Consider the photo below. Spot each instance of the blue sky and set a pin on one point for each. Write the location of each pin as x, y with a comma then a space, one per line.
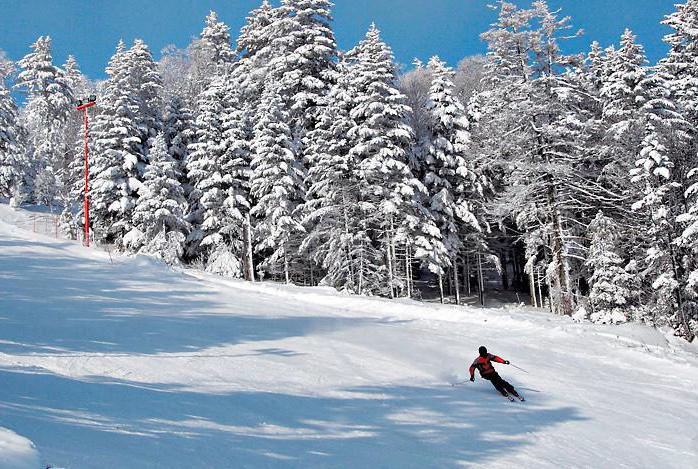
414, 28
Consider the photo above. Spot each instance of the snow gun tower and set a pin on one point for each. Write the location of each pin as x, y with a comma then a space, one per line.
83, 105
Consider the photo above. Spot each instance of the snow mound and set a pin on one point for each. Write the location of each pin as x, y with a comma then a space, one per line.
16, 452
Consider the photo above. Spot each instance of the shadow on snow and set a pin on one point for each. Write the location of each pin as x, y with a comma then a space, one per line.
159, 426
105, 308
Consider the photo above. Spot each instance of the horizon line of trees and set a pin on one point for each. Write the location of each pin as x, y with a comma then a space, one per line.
280, 156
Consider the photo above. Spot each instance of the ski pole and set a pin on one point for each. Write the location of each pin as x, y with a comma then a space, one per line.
518, 367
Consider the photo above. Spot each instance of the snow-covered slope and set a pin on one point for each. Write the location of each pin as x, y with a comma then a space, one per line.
130, 364
17, 452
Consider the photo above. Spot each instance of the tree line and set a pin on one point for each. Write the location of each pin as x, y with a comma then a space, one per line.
280, 156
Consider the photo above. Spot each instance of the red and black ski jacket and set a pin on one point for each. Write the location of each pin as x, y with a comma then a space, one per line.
484, 365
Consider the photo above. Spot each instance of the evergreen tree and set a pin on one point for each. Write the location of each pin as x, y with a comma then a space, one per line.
276, 184
255, 35
179, 129
147, 84
236, 159
13, 162
338, 238
680, 73
210, 55
49, 102
303, 56
70, 164
540, 108
680, 63
119, 159
391, 197
610, 292
203, 172
159, 227
451, 182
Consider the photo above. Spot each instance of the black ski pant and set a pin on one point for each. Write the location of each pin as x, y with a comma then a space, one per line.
501, 385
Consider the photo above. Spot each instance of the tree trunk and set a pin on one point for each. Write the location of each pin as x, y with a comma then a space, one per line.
286, 273
540, 288
532, 286
441, 288
505, 273
562, 282
389, 242
352, 274
678, 275
408, 271
481, 288
449, 283
466, 274
248, 263
361, 269
455, 280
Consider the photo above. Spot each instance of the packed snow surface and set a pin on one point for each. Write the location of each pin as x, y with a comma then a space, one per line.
109, 361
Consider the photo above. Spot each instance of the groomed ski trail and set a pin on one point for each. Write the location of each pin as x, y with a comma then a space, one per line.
132, 364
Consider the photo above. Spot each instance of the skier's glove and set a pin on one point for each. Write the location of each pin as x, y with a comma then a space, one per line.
506, 362
472, 378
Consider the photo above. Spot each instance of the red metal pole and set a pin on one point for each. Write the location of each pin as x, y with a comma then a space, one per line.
87, 172
86, 208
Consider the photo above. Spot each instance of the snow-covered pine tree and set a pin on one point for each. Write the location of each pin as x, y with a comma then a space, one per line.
276, 183
159, 227
180, 131
235, 163
255, 36
680, 71
217, 169
214, 41
293, 47
209, 55
454, 188
533, 123
254, 45
119, 159
303, 56
147, 84
661, 175
625, 70
13, 158
76, 80
338, 238
70, 169
390, 196
654, 174
174, 67
415, 86
610, 283
49, 103
680, 63
617, 76
203, 173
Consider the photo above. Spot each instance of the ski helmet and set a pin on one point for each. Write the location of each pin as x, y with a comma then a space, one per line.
483, 351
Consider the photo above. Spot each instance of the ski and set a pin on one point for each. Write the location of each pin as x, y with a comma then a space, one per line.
511, 398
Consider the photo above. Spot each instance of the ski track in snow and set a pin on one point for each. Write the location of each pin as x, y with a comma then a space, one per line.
132, 364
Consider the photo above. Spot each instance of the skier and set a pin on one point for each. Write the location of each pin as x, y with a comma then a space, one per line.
484, 364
